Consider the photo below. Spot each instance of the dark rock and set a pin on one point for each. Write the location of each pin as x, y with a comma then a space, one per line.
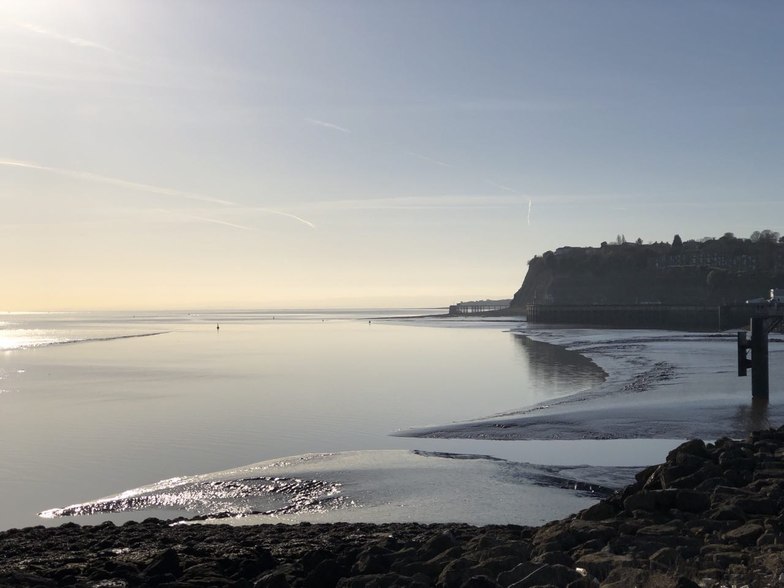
664, 559
709, 484
602, 563
455, 573
645, 500
26, 579
770, 539
326, 574
659, 530
390, 580
766, 506
439, 544
493, 567
420, 581
372, 560
554, 557
727, 513
518, 549
276, 579
745, 535
723, 559
599, 512
588, 530
721, 492
479, 582
557, 534
313, 558
644, 475
207, 581
200, 569
694, 479
692, 501
624, 578
738, 477
443, 558
167, 562
705, 526
546, 575
411, 568
695, 447
517, 573
588, 547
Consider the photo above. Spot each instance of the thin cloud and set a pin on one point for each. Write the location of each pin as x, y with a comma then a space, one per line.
327, 125
471, 201
77, 41
56, 78
422, 203
429, 159
503, 105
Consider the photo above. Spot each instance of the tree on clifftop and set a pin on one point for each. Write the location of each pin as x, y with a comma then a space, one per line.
677, 242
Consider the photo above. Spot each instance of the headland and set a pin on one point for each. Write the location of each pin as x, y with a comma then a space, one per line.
688, 285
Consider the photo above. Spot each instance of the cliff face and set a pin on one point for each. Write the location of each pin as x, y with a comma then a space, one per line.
720, 271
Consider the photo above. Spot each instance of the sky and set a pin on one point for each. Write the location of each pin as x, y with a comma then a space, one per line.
277, 154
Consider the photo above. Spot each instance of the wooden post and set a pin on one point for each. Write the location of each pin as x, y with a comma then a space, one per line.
760, 385
744, 363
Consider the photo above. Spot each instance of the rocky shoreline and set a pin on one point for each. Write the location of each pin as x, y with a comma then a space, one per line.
712, 515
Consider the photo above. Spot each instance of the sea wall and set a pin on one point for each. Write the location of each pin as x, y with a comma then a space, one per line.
642, 316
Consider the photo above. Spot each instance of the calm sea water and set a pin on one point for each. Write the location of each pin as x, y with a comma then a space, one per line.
93, 404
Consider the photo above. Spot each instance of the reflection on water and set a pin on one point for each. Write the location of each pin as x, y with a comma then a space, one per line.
753, 417
554, 368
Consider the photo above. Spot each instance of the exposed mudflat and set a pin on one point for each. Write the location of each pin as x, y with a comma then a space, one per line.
659, 385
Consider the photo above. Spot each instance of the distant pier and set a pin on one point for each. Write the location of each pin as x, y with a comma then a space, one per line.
466, 308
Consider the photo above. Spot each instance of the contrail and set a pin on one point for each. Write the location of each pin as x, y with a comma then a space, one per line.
530, 203
327, 125
287, 214
90, 177
218, 222
78, 41
430, 159
500, 186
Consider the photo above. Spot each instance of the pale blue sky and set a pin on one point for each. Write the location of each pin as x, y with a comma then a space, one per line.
197, 153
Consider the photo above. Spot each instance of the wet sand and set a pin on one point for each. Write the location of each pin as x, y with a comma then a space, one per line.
660, 385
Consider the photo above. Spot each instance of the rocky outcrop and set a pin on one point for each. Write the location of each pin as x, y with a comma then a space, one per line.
710, 515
